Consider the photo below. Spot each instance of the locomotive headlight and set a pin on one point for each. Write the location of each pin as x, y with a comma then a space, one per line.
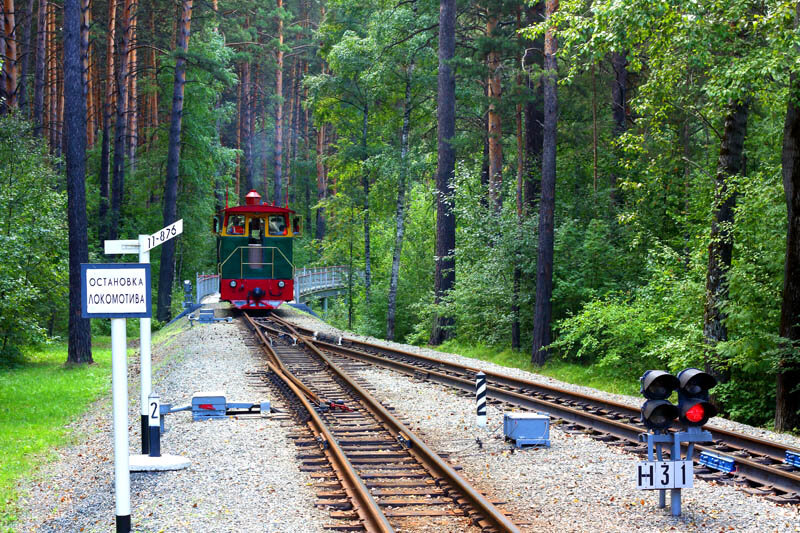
233, 283
281, 284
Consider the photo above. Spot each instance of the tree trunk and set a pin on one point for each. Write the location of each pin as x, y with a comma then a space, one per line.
86, 16
400, 216
278, 183
544, 265
118, 177
534, 113
787, 406
247, 129
10, 59
60, 104
515, 324
25, 55
51, 76
80, 343
720, 249
166, 272
445, 170
39, 70
133, 96
291, 171
365, 184
238, 135
495, 133
105, 148
322, 186
619, 102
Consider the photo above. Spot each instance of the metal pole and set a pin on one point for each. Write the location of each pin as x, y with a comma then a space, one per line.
675, 494
662, 502
119, 387
145, 363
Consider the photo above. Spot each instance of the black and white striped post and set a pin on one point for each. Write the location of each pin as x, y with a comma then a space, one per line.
154, 423
480, 397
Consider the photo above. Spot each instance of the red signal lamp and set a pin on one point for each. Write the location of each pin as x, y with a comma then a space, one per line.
695, 413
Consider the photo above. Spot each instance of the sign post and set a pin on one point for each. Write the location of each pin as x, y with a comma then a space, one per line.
118, 291
142, 246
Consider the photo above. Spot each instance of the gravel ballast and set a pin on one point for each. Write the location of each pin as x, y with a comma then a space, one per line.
243, 476
578, 484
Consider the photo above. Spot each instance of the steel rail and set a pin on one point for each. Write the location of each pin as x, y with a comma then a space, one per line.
364, 504
418, 448
754, 444
763, 474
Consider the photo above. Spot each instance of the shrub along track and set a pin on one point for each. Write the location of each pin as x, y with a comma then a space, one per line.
372, 472
760, 466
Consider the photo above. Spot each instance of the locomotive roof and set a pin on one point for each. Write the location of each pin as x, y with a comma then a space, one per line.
260, 208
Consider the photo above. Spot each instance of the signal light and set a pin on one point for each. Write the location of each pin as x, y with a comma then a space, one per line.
658, 414
693, 404
693, 407
658, 385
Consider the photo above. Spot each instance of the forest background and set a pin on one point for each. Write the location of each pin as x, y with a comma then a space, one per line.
666, 235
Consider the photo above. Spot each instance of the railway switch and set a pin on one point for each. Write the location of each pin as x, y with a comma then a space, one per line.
213, 405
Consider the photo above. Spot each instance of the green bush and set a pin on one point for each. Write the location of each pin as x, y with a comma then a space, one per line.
33, 240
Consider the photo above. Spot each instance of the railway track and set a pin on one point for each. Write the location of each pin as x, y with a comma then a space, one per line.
760, 466
372, 472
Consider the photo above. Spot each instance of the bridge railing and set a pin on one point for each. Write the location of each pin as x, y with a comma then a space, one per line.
310, 280
206, 284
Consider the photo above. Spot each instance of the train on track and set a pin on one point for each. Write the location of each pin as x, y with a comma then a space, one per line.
254, 253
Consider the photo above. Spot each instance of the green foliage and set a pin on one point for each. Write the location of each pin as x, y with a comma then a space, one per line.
653, 326
33, 240
38, 399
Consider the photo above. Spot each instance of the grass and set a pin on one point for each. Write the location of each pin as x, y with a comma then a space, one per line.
39, 397
597, 377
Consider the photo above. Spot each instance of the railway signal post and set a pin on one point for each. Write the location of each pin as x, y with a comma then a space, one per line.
142, 246
658, 415
118, 291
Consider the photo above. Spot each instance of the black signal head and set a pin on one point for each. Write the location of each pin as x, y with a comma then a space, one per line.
658, 385
658, 414
695, 382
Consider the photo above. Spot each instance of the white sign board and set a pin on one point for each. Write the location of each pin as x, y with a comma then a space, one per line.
163, 235
653, 475
129, 246
116, 290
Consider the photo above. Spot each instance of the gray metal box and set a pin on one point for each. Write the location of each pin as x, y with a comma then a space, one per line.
527, 429
208, 405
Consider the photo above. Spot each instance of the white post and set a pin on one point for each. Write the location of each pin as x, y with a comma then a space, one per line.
145, 366
119, 386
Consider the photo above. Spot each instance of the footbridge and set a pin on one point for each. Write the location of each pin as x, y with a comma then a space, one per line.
319, 283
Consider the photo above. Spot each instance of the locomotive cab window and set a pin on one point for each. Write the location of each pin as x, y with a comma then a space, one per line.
256, 228
235, 225
277, 225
